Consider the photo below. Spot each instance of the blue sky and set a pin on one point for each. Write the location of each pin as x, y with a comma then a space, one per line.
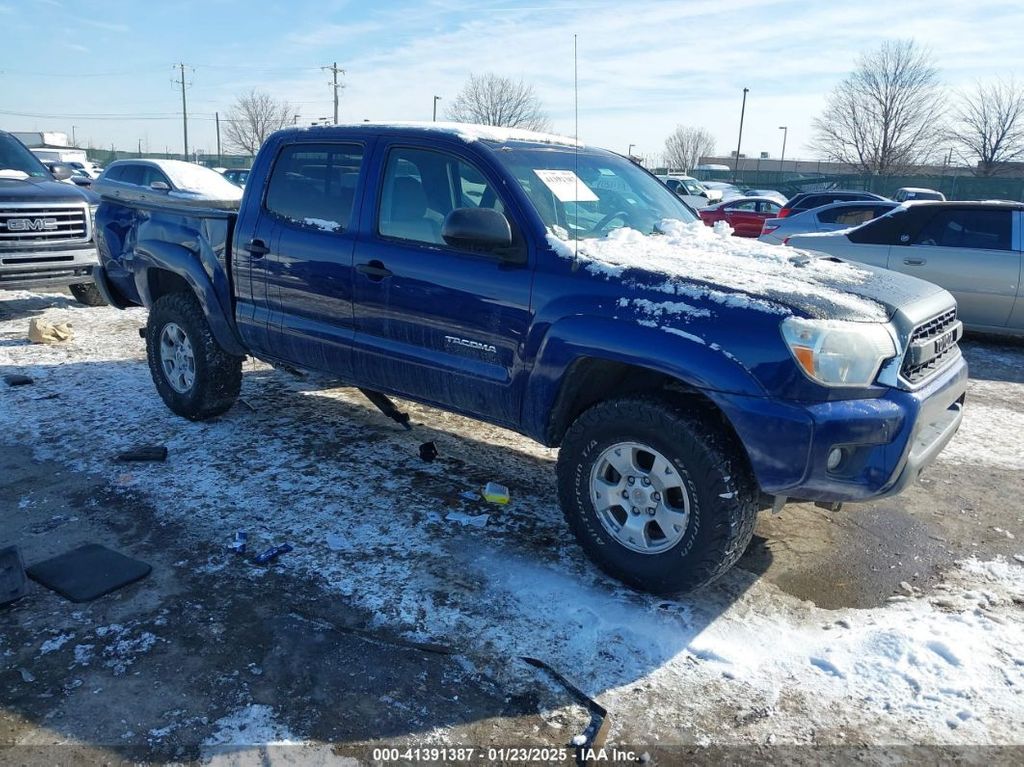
644, 66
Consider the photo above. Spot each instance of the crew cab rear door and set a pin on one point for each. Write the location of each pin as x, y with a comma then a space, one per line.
433, 322
312, 198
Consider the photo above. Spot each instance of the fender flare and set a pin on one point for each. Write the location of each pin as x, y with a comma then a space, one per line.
689, 361
179, 260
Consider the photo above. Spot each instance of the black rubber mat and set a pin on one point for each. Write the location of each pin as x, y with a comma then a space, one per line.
88, 572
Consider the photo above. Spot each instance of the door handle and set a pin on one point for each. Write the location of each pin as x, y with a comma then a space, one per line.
915, 261
257, 248
375, 270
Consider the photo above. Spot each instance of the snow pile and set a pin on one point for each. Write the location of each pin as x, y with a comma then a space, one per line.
194, 179
753, 274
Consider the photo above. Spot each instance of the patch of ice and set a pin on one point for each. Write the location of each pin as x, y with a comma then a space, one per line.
253, 725
322, 224
54, 644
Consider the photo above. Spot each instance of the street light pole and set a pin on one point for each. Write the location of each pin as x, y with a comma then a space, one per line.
785, 135
629, 152
436, 99
739, 141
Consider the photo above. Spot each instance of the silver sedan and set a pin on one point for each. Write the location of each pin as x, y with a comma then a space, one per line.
972, 249
827, 218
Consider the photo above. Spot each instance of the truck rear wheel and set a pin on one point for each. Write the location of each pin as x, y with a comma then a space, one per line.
195, 377
87, 293
657, 497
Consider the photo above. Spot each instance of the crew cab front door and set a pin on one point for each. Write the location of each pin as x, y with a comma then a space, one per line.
972, 253
433, 322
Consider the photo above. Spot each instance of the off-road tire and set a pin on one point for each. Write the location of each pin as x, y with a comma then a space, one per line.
218, 374
87, 293
723, 493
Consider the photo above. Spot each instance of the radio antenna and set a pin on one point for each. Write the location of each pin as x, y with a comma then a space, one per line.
576, 149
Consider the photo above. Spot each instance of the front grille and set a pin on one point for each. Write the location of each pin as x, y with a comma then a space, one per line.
929, 350
25, 225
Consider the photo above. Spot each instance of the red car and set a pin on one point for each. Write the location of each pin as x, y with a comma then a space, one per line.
746, 215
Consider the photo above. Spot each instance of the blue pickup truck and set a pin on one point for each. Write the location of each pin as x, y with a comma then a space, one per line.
559, 290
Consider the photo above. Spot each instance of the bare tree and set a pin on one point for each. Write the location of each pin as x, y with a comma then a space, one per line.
488, 99
253, 117
886, 115
685, 146
989, 125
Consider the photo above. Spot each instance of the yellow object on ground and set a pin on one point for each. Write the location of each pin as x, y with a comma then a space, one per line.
496, 493
42, 332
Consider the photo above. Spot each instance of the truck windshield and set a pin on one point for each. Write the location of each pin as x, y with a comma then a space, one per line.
585, 194
15, 157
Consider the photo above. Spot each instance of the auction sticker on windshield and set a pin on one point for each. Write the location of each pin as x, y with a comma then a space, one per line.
566, 186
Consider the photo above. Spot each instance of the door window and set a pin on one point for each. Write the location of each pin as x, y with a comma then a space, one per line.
747, 205
967, 228
848, 215
421, 187
314, 185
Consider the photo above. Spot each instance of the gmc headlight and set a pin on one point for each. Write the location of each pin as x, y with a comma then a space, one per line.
837, 353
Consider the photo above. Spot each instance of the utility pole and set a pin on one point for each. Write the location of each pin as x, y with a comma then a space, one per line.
436, 99
739, 141
140, 147
74, 141
184, 106
785, 135
216, 116
334, 69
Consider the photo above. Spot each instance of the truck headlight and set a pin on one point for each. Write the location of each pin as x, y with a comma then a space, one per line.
838, 353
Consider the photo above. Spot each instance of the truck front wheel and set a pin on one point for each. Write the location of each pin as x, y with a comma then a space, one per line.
195, 377
658, 497
87, 293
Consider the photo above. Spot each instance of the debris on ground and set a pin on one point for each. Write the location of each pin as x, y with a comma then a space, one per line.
269, 555
336, 542
1019, 558
496, 493
479, 520
428, 451
237, 546
469, 495
42, 332
17, 379
156, 453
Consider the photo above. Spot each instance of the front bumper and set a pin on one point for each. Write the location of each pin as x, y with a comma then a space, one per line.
888, 441
47, 268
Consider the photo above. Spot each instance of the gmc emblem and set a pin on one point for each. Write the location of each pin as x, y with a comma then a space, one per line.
31, 224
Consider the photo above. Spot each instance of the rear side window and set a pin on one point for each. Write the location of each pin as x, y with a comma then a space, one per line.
849, 215
967, 228
314, 185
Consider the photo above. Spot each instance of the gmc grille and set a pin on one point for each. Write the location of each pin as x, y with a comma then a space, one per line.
932, 346
25, 225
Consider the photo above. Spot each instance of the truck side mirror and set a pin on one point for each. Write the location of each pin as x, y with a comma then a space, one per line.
60, 171
477, 229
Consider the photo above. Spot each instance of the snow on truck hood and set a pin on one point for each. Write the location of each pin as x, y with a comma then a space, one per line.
695, 261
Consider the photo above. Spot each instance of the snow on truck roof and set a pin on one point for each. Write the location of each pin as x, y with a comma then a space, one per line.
468, 132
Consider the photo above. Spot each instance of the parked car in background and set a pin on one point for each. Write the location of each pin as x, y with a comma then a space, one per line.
80, 178
746, 215
771, 194
46, 227
154, 180
903, 194
972, 249
810, 200
690, 190
91, 169
827, 218
236, 176
727, 191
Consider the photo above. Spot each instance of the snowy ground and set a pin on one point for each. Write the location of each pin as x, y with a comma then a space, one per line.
743, 662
